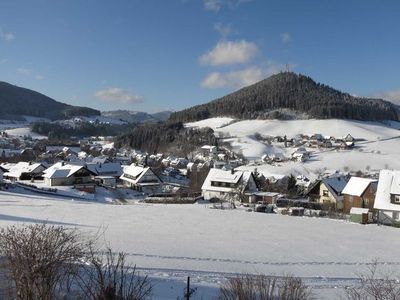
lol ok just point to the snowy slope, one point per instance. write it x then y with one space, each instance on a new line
168 240
378 149
25 131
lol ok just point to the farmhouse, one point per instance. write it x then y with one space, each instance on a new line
142 179
387 200
61 174
328 191
226 185
359 192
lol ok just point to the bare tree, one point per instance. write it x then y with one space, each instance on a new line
262 287
40 258
108 277
375 286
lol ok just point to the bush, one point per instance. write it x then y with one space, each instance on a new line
43 262
108 277
40 258
262 287
374 286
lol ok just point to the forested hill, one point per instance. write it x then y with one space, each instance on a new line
291 92
17 101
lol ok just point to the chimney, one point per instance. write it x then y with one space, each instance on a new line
232 171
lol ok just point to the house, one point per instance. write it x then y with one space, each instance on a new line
348 138
359 192
266 197
228 185
61 174
105 169
106 173
25 171
109 181
301 154
209 150
278 157
142 179
328 191
346 145
387 199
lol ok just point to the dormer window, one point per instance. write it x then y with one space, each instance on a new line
395 199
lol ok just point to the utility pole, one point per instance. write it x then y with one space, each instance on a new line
189 291
188 288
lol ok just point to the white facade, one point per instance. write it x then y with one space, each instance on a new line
387 199
142 179
226 185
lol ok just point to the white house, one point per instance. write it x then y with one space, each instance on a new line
142 179
226 185
61 174
209 150
387 199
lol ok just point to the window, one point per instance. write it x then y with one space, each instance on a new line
395 199
325 193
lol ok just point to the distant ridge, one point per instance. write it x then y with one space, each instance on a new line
137 116
17 101
297 94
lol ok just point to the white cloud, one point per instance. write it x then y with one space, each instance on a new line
229 53
216 5
24 71
224 30
3 61
240 78
393 96
39 77
118 95
7 36
286 37
213 5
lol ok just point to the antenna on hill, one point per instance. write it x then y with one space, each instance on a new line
287 68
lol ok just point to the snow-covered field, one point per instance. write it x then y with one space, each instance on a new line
378 149
25 131
170 242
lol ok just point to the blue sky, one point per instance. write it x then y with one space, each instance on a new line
170 54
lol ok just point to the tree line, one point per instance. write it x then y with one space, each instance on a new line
293 92
166 137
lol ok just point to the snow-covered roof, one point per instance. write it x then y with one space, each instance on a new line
23 167
357 186
335 185
389 183
358 211
105 168
134 170
134 173
60 170
208 147
228 177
